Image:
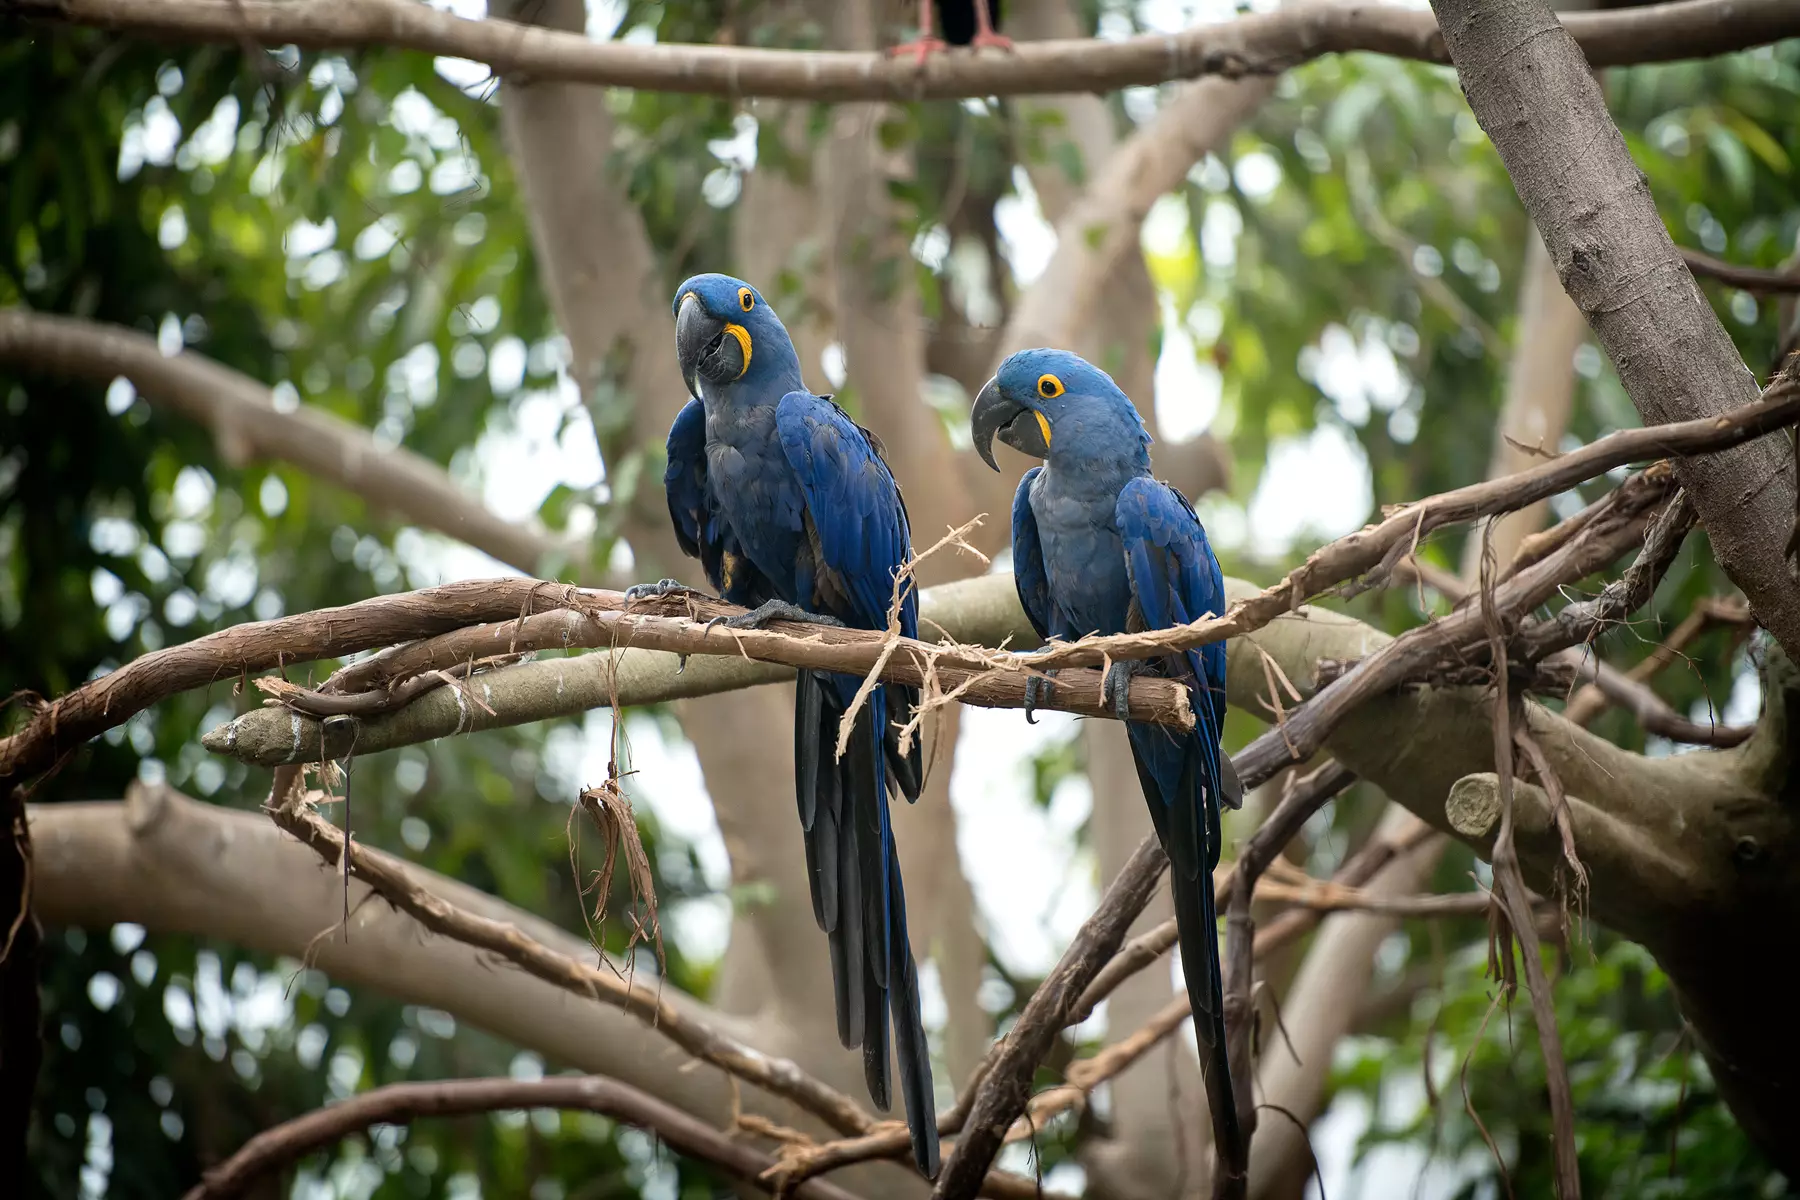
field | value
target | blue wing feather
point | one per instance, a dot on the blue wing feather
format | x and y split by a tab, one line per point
1175	578
853	504
701	529
1029	575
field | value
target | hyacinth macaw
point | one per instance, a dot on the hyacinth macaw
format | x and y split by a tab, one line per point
1101	547
792	512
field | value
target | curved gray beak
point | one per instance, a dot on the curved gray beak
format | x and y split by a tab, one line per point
705	348
1014	424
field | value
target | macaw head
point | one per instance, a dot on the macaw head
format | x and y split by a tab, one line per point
1044	402
725	333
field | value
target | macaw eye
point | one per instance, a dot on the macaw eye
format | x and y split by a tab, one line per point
746	299
1049	387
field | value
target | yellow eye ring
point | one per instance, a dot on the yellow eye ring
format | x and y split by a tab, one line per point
1049	387
746	299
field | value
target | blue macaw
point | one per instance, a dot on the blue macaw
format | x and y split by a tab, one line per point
1099	546
792	512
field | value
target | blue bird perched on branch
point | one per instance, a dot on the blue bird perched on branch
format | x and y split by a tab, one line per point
1101	547
792	512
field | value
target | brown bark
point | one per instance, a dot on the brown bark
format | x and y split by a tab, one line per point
404	1103
1534	93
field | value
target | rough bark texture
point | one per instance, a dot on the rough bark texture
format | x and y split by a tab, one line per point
1534	94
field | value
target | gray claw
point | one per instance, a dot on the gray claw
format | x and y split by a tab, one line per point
1115	687
651	591
775	610
1037	690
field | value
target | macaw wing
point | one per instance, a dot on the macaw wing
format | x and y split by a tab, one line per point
857	523
692	509
1029	575
1175	578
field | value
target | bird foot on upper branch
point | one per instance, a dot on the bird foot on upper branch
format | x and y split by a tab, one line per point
1037	691
774	610
663	587
1115	687
921	49
996	41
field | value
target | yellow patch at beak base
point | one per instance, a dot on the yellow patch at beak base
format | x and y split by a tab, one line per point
743	340
1043	425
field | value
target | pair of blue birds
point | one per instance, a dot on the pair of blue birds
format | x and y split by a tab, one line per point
793	513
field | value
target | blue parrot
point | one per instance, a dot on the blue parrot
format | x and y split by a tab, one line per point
1099	546
791	509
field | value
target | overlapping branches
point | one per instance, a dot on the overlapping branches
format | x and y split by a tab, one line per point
391	879
1601	539
404	1103
471	624
1374	552
1259	44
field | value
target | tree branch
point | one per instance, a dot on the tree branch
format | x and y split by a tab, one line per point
1375	549
1253	45
395	883
1755	280
1535	94
646	669
246	424
404	1103
57	728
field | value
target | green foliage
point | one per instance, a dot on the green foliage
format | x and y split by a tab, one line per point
1647	1113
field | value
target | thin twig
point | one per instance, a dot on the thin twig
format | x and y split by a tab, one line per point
403	1103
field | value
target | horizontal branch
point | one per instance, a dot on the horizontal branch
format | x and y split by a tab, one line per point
1252	45
1750	279
648	670
404	1103
244	420
58	727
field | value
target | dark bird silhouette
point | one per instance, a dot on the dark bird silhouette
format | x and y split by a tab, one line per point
974	23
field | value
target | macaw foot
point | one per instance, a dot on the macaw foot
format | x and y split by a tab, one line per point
774	610
1115	686
663	587
987	37
1037	691
921	49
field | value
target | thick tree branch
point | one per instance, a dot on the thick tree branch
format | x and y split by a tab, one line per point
58	727
1253	45
646	669
404	1103
242	416
1535	94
